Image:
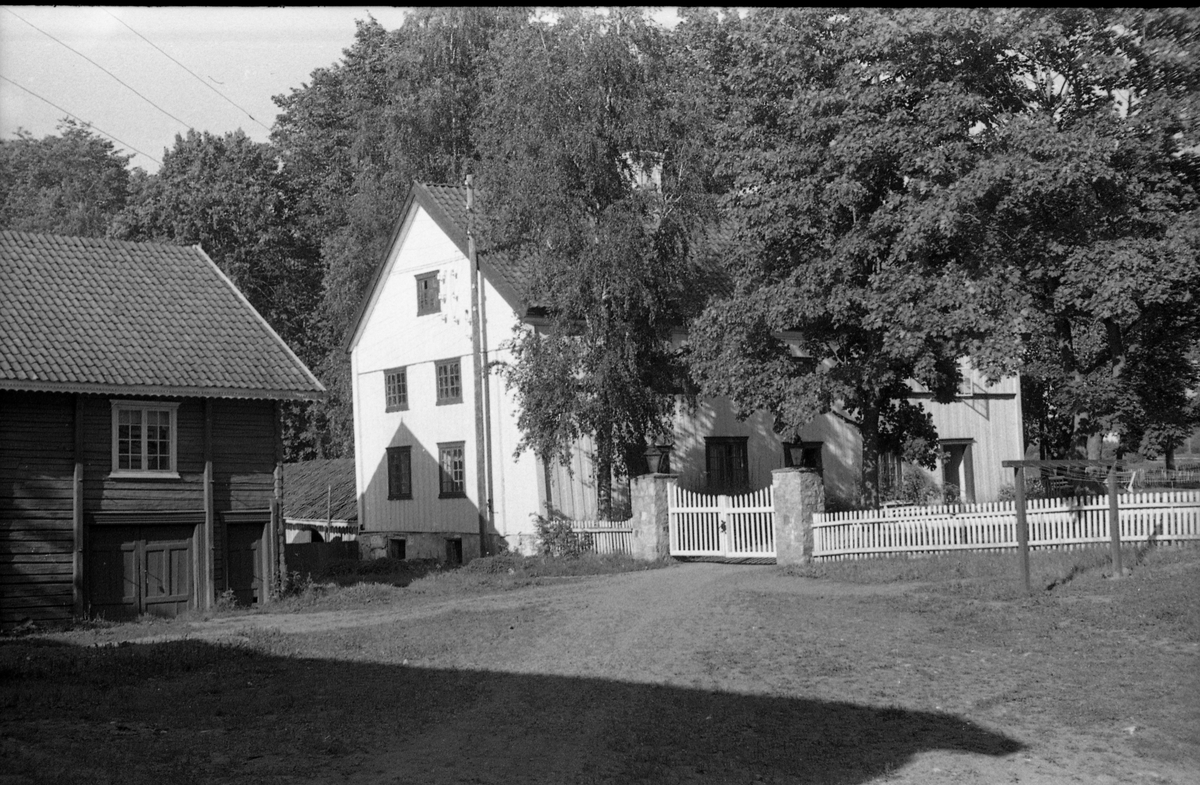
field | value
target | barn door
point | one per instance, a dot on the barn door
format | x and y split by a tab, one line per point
244	557
134	570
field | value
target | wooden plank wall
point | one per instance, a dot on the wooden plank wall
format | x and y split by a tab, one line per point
36	500
37	477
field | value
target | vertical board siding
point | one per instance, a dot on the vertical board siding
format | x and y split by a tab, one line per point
37	442
1163	517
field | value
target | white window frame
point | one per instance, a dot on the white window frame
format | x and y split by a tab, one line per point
172	409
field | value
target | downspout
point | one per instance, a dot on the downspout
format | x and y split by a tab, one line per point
482	462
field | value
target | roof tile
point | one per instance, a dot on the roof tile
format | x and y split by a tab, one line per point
84	311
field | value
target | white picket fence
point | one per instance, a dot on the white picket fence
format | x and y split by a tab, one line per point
741	526
605	537
1162	517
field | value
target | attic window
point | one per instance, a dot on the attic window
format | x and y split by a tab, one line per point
144	439
428	299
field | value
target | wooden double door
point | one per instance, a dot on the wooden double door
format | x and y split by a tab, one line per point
140	569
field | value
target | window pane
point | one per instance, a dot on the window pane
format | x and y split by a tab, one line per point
449	382
453	470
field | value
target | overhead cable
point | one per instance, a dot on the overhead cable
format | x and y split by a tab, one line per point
184	67
80	119
102	68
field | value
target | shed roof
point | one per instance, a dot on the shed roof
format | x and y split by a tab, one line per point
318	488
93	315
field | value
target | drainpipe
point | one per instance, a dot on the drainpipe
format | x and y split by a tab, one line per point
483	462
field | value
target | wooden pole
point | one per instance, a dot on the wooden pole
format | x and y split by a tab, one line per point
1114	521
1022	527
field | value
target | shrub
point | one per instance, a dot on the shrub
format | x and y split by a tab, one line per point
557	538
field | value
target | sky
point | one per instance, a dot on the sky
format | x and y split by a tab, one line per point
248	54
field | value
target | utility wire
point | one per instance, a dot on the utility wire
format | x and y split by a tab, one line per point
102	68
80	119
184	67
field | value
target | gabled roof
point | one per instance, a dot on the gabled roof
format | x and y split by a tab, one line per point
314	489
105	316
447	206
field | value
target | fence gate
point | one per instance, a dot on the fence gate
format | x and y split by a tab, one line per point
739	527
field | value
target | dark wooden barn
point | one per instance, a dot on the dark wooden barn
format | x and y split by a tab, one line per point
139	431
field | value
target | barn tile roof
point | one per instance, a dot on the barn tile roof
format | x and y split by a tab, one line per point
92	315
314	489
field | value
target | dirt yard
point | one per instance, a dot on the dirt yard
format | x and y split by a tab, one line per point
697	673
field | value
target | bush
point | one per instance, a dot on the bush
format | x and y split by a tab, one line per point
557	538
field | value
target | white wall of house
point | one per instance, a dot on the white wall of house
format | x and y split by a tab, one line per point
393	336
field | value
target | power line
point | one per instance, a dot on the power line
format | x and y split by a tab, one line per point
80	119
184	67
102	68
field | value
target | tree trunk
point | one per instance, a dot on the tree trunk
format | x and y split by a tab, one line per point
869	430
1169	457
604	475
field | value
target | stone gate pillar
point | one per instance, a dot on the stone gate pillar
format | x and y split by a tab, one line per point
797	494
649	497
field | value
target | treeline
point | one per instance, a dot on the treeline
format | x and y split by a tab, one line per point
894	189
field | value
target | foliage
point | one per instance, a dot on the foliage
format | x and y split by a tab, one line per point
557	538
1087	198
594	180
397	107
70	184
840	132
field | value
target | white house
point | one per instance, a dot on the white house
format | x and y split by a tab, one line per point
436	432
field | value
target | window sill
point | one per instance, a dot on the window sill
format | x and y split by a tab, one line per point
405	498
128	474
457	495
403	408
449	401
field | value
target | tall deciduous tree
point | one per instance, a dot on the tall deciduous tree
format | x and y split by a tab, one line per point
592	175
397	107
841	132
72	184
1088	196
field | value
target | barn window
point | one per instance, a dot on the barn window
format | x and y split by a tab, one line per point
428	299
399	472
144	438
395	387
449	382
453	470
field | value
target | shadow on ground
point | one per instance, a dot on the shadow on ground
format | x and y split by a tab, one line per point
196	712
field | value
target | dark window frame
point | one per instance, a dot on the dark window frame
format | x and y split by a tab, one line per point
401	394
448	487
399	472
448	398
727	480
429	299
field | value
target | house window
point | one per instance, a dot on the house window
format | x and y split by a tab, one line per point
399	472
453	470
958	470
428	300
144	438
449	382
803	455
395	389
725	461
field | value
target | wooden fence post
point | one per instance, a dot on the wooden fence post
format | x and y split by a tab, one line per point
1022	527
1114	521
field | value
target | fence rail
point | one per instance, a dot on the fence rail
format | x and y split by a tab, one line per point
1166	517
604	537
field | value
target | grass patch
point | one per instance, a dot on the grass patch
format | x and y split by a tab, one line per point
994	574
